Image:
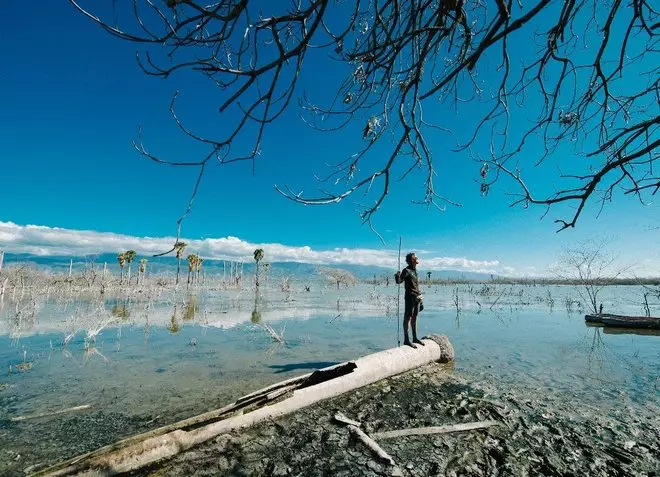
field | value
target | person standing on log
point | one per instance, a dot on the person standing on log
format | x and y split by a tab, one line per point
413	299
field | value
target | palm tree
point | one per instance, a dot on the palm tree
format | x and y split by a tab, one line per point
179	247
200	260
143	268
192	263
121	258
129	255
258	257
428	277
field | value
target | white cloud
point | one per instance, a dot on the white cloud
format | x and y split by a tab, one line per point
45	241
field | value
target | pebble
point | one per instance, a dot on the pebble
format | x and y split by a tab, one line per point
373	466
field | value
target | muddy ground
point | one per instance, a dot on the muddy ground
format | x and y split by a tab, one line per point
539	434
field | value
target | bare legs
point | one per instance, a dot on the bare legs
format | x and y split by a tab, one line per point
414	330
410	320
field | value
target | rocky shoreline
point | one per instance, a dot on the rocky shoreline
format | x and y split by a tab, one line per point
537	435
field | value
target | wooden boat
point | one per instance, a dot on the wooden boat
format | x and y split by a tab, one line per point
622	321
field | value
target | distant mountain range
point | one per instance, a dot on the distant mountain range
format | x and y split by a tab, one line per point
168	265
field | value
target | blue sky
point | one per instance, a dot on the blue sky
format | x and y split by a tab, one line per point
72	98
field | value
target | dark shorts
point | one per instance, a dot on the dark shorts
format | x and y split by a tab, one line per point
413	307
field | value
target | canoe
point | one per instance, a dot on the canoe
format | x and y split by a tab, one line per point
622	321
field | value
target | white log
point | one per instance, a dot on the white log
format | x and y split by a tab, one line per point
2	259
421	431
369	369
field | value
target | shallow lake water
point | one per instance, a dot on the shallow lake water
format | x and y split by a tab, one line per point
155	361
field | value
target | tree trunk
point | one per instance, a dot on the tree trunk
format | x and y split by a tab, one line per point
2	259
178	269
129	273
257	275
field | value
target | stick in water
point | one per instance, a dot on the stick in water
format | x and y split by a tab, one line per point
49	414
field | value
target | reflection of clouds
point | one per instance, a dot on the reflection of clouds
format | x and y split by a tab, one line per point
227	309
92	321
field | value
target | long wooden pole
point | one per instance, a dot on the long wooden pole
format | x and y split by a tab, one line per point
398	300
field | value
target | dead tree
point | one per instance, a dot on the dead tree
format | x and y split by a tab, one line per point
591	268
564	90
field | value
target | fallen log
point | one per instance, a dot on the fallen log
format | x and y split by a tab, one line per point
138	452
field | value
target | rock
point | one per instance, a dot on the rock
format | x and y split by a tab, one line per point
281	470
374	466
396	471
629	445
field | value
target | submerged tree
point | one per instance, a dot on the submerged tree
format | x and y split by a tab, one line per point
121	259
129	255
193	261
143	269
569	87
258	257
591	268
179	247
200	261
338	276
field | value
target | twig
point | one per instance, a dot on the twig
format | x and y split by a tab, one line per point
498	299
49	414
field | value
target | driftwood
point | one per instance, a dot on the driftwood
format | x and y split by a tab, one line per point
420	431
49	414
345	420
371	444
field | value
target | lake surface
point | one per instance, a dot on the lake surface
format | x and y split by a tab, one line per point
160	359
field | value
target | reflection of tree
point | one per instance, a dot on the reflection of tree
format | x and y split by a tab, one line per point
191	308
121	310
256	314
174	326
255	317
597	350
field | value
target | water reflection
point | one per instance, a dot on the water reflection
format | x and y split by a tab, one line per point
214	347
